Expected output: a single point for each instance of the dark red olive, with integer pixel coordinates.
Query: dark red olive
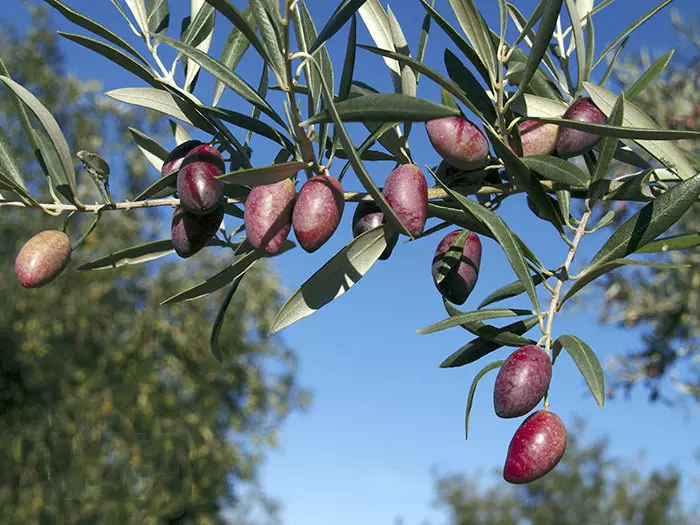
(461, 279)
(459, 142)
(190, 232)
(268, 215)
(368, 216)
(42, 258)
(199, 190)
(536, 448)
(522, 382)
(537, 138)
(173, 161)
(406, 191)
(317, 211)
(572, 142)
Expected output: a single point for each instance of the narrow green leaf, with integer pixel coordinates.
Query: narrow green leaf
(229, 78)
(448, 99)
(334, 278)
(235, 47)
(588, 365)
(265, 175)
(526, 33)
(423, 40)
(623, 132)
(540, 84)
(540, 44)
(116, 56)
(504, 236)
(534, 106)
(384, 107)
(605, 221)
(478, 348)
(8, 162)
(366, 154)
(510, 290)
(472, 391)
(179, 132)
(345, 10)
(608, 145)
(163, 102)
(270, 38)
(158, 13)
(452, 256)
(590, 47)
(138, 10)
(468, 317)
(470, 85)
(409, 82)
(577, 30)
(377, 23)
(476, 30)
(58, 143)
(684, 241)
(161, 188)
(651, 221)
(219, 321)
(251, 124)
(634, 25)
(133, 255)
(649, 75)
(92, 26)
(349, 62)
(154, 152)
(557, 170)
(458, 40)
(240, 21)
(488, 332)
(199, 29)
(373, 137)
(613, 61)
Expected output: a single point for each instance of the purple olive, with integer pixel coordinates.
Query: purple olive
(268, 215)
(317, 211)
(368, 216)
(173, 161)
(199, 189)
(42, 258)
(459, 142)
(522, 382)
(572, 142)
(536, 448)
(461, 279)
(537, 138)
(406, 191)
(190, 233)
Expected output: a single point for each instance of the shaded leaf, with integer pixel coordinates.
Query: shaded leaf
(239, 20)
(264, 175)
(235, 47)
(588, 365)
(557, 170)
(623, 132)
(349, 62)
(488, 332)
(345, 10)
(472, 391)
(133, 255)
(649, 75)
(251, 124)
(452, 256)
(510, 290)
(476, 30)
(676, 242)
(608, 145)
(613, 61)
(468, 317)
(8, 162)
(154, 152)
(219, 321)
(470, 85)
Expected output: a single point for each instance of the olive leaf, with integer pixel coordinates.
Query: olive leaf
(587, 363)
(472, 391)
(468, 317)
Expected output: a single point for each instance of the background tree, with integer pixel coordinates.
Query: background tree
(665, 305)
(588, 487)
(112, 410)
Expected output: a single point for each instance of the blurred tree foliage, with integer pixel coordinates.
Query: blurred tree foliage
(665, 305)
(112, 409)
(587, 488)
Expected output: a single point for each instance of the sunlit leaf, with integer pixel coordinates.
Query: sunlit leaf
(476, 30)
(133, 255)
(587, 363)
(468, 317)
(488, 332)
(345, 10)
(264, 175)
(649, 75)
(557, 170)
(235, 47)
(608, 145)
(677, 242)
(472, 391)
(152, 150)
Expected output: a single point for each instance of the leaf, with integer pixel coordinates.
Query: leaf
(158, 15)
(451, 256)
(540, 83)
(649, 75)
(448, 99)
(162, 187)
(50, 164)
(488, 332)
(377, 22)
(534, 106)
(349, 62)
(251, 124)
(219, 321)
(154, 152)
(179, 133)
(613, 61)
(623, 132)
(540, 44)
(470, 85)
(458, 40)
(133, 255)
(163, 102)
(605, 221)
(265, 175)
(648, 223)
(116, 56)
(557, 170)
(8, 162)
(590, 47)
(634, 25)
(409, 82)
(591, 273)
(676, 242)
(474, 27)
(478, 348)
(55, 135)
(526, 32)
(384, 107)
(268, 31)
(199, 30)
(504, 236)
(138, 10)
(92, 26)
(468, 317)
(510, 290)
(577, 30)
(235, 47)
(588, 365)
(472, 391)
(239, 20)
(334, 278)
(345, 10)
(229, 78)
(608, 145)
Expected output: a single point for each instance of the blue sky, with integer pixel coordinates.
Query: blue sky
(383, 413)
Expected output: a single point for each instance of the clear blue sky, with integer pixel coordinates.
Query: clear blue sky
(383, 413)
